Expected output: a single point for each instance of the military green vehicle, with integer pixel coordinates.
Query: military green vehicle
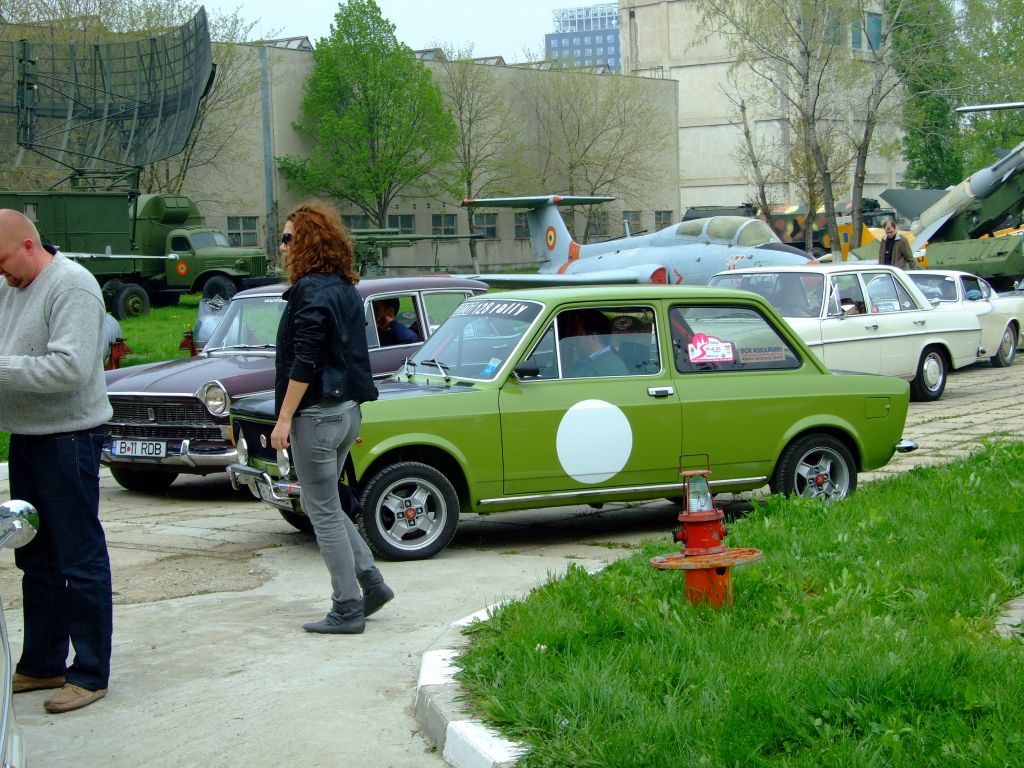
(144, 252)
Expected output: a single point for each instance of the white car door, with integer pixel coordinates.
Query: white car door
(849, 334)
(902, 323)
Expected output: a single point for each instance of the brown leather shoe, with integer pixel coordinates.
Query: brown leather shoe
(72, 697)
(21, 683)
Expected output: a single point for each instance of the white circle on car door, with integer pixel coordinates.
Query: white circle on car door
(594, 441)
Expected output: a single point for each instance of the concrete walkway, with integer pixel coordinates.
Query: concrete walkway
(211, 667)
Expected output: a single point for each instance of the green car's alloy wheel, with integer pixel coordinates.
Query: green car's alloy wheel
(930, 381)
(816, 466)
(1007, 351)
(143, 480)
(411, 511)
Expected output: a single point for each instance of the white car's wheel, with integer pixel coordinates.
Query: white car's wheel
(930, 381)
(1007, 351)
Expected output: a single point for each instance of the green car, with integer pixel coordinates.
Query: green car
(589, 395)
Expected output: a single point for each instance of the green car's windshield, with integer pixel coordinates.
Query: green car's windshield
(477, 340)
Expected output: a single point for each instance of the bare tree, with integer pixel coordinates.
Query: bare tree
(483, 121)
(582, 140)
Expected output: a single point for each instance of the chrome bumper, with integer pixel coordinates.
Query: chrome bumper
(184, 458)
(279, 493)
(906, 446)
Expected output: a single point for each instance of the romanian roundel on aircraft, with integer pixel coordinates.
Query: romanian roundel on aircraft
(551, 238)
(181, 268)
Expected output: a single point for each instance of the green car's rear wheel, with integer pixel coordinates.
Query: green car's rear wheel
(411, 511)
(816, 466)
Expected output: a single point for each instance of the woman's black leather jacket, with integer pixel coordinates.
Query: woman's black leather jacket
(322, 340)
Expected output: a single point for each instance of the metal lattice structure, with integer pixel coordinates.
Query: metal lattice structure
(96, 108)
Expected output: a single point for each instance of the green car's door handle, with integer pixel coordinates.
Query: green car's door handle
(660, 391)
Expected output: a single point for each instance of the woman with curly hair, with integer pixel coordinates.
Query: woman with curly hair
(323, 374)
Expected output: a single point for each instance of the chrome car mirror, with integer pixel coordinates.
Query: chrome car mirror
(18, 523)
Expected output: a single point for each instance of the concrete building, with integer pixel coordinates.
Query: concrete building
(585, 36)
(664, 39)
(251, 199)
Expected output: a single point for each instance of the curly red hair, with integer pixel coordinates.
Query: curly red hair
(320, 243)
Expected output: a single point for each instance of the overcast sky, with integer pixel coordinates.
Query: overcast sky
(494, 27)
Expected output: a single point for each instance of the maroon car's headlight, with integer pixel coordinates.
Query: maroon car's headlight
(215, 398)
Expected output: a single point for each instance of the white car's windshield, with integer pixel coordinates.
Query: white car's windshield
(477, 340)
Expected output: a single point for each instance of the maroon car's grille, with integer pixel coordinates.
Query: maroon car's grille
(162, 420)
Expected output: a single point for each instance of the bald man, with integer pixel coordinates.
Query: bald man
(54, 403)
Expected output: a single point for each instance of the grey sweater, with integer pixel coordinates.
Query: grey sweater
(51, 353)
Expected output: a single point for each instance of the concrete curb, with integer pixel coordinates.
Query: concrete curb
(463, 742)
(3, 472)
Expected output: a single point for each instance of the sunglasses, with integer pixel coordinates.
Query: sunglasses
(286, 238)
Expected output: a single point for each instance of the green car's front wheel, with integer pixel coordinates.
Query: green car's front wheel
(411, 511)
(816, 466)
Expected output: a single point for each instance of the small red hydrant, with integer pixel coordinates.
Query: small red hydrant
(704, 557)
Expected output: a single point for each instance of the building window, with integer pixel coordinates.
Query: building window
(554, 43)
(356, 221)
(873, 25)
(662, 219)
(599, 224)
(243, 230)
(442, 224)
(587, 40)
(522, 227)
(403, 222)
(632, 219)
(600, 51)
(486, 224)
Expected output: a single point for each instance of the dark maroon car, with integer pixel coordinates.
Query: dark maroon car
(172, 417)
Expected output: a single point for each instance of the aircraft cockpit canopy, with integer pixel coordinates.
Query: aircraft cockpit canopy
(731, 230)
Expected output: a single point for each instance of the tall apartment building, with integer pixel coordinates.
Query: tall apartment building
(586, 36)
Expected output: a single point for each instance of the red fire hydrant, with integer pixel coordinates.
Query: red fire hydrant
(704, 557)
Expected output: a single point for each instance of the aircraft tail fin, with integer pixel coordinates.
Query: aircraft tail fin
(549, 237)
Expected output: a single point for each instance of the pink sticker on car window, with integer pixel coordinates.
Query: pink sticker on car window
(708, 349)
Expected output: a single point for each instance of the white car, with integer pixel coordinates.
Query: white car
(1000, 316)
(867, 318)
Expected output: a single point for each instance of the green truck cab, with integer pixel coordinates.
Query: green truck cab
(143, 252)
(540, 398)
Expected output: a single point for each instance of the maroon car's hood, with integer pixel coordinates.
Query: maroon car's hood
(240, 374)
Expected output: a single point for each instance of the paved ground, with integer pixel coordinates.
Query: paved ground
(211, 666)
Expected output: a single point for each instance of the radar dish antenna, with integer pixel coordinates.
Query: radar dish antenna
(107, 109)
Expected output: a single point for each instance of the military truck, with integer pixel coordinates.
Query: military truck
(144, 250)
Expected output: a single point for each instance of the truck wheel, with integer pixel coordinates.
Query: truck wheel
(930, 381)
(411, 511)
(1007, 351)
(815, 466)
(218, 285)
(143, 480)
(131, 300)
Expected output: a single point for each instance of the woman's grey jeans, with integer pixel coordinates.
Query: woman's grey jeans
(321, 437)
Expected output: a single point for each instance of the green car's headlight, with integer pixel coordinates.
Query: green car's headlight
(243, 449)
(284, 463)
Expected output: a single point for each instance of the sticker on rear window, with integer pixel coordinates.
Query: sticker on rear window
(708, 349)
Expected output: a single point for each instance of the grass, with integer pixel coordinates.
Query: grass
(152, 338)
(863, 638)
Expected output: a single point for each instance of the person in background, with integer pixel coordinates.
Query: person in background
(53, 401)
(323, 374)
(894, 248)
(389, 330)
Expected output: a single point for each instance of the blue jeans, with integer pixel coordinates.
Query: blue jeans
(66, 584)
(321, 437)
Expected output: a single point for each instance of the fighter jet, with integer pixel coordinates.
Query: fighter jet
(689, 252)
